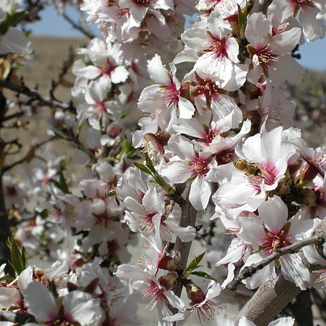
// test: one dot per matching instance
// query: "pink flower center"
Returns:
(273, 241)
(11, 191)
(265, 57)
(107, 68)
(258, 174)
(147, 225)
(171, 95)
(113, 247)
(100, 107)
(199, 166)
(210, 134)
(206, 311)
(208, 89)
(218, 48)
(302, 4)
(144, 3)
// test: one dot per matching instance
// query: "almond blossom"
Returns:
(266, 235)
(188, 164)
(269, 53)
(76, 306)
(263, 163)
(209, 45)
(309, 10)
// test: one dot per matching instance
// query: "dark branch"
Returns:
(252, 269)
(79, 27)
(23, 89)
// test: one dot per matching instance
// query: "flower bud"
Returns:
(152, 145)
(167, 281)
(308, 173)
(195, 294)
(169, 263)
(294, 167)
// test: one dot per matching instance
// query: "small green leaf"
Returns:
(61, 184)
(195, 262)
(80, 127)
(11, 19)
(242, 20)
(149, 169)
(150, 165)
(18, 257)
(203, 275)
(142, 167)
(7, 278)
(53, 289)
(128, 149)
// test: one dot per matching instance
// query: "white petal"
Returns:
(40, 302)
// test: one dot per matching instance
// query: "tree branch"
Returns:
(248, 271)
(22, 89)
(268, 301)
(80, 28)
(188, 217)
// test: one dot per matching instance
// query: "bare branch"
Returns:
(23, 89)
(188, 217)
(79, 27)
(27, 158)
(63, 71)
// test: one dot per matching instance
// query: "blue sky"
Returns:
(51, 24)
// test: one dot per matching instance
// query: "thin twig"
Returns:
(78, 27)
(27, 157)
(23, 89)
(248, 271)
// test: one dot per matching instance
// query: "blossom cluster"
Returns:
(218, 147)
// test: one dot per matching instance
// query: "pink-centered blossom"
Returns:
(266, 156)
(269, 53)
(309, 12)
(272, 230)
(186, 164)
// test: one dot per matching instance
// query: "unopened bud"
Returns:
(308, 173)
(195, 294)
(294, 167)
(167, 281)
(152, 145)
(169, 263)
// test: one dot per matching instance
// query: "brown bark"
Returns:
(268, 301)
(188, 217)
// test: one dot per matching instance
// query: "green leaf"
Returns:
(242, 20)
(61, 184)
(53, 289)
(11, 19)
(150, 165)
(7, 278)
(149, 169)
(203, 275)
(128, 149)
(80, 127)
(18, 257)
(195, 262)
(142, 167)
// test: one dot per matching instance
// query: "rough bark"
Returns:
(188, 217)
(268, 301)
